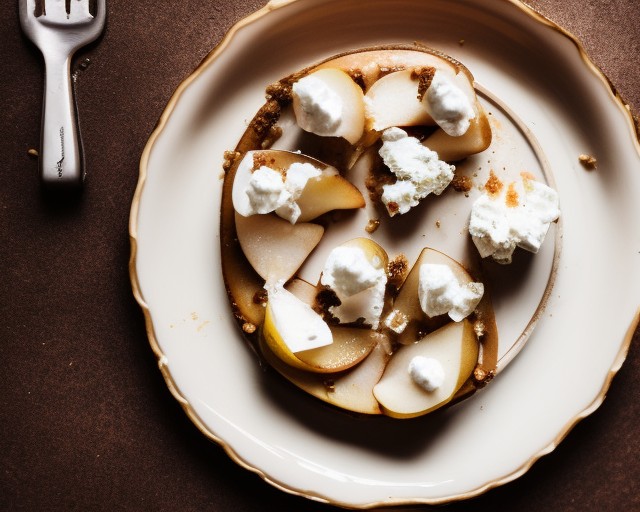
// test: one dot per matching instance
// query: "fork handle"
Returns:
(61, 164)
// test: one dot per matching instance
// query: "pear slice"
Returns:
(274, 247)
(350, 95)
(454, 346)
(476, 139)
(291, 325)
(393, 101)
(407, 302)
(329, 191)
(349, 347)
(351, 390)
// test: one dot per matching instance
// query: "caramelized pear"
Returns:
(455, 349)
(274, 247)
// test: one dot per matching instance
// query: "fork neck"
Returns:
(60, 160)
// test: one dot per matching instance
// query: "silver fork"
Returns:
(58, 34)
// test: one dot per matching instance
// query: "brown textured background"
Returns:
(86, 421)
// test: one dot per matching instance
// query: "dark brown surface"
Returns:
(87, 421)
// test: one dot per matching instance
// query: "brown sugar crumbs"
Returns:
(424, 75)
(260, 159)
(511, 199)
(461, 183)
(493, 186)
(588, 161)
(229, 159)
(393, 208)
(397, 268)
(372, 225)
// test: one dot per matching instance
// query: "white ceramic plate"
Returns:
(581, 340)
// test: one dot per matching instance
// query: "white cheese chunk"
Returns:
(426, 372)
(321, 107)
(418, 170)
(440, 293)
(516, 216)
(359, 285)
(449, 106)
(268, 191)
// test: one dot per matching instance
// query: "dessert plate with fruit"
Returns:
(357, 256)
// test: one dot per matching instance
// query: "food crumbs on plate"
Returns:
(228, 159)
(194, 316)
(33, 152)
(461, 183)
(249, 328)
(438, 224)
(588, 162)
(493, 186)
(372, 225)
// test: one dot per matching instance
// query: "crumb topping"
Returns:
(279, 91)
(229, 159)
(424, 75)
(588, 162)
(493, 186)
(397, 269)
(511, 199)
(461, 183)
(266, 117)
(372, 225)
(393, 207)
(260, 159)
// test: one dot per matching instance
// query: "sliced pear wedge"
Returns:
(407, 302)
(476, 139)
(454, 346)
(291, 325)
(291, 329)
(393, 101)
(329, 191)
(274, 247)
(348, 96)
(351, 390)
